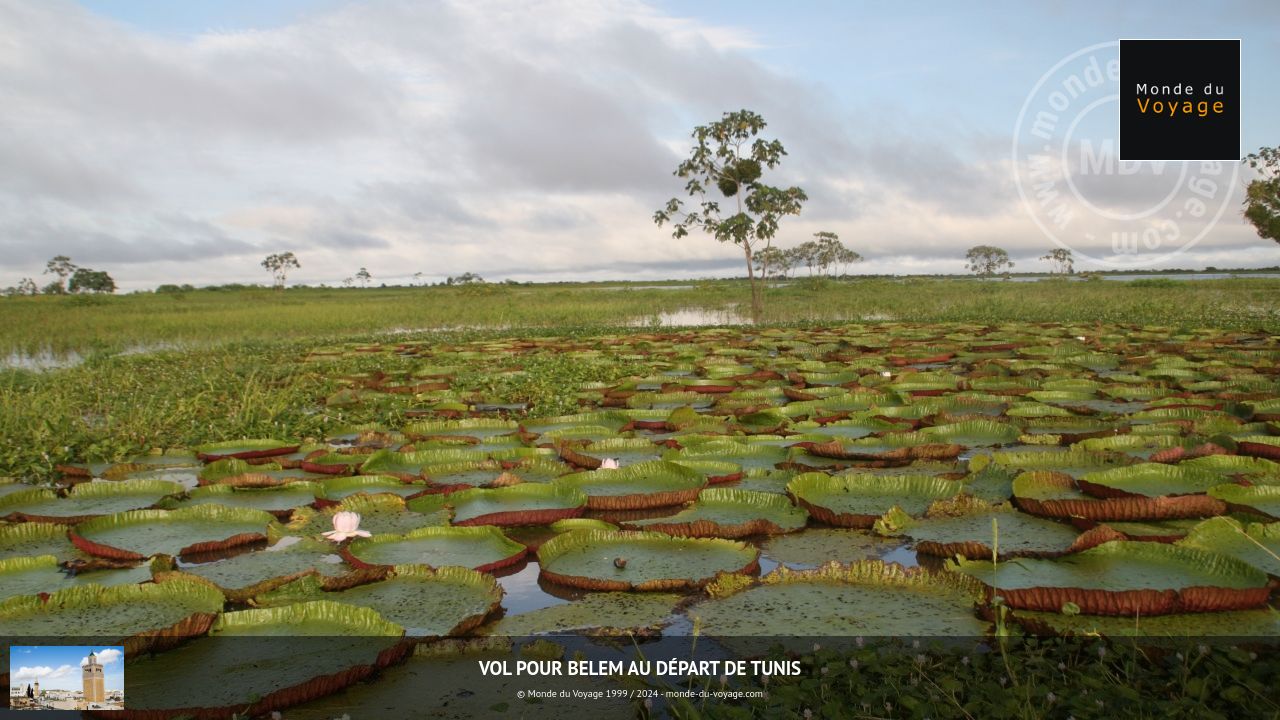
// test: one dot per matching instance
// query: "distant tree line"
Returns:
(69, 278)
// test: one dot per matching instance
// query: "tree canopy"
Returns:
(1262, 196)
(987, 260)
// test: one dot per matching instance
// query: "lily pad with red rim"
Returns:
(138, 534)
(425, 601)
(483, 549)
(244, 449)
(857, 500)
(522, 504)
(648, 561)
(636, 487)
(1125, 578)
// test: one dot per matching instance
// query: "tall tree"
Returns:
(1060, 260)
(364, 277)
(987, 260)
(729, 156)
(62, 267)
(279, 265)
(1262, 196)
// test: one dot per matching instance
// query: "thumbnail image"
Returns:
(66, 677)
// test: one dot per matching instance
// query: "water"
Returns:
(46, 359)
(692, 317)
(1163, 276)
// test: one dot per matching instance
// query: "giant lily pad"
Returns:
(482, 548)
(425, 601)
(87, 500)
(617, 560)
(1148, 480)
(279, 500)
(1056, 495)
(729, 513)
(523, 504)
(147, 615)
(31, 538)
(605, 614)
(42, 574)
(244, 575)
(866, 598)
(972, 529)
(331, 646)
(974, 433)
(138, 534)
(819, 546)
(636, 487)
(1125, 578)
(244, 449)
(1252, 624)
(857, 500)
(1255, 543)
(340, 487)
(379, 514)
(1263, 499)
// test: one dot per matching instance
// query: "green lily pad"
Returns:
(1255, 543)
(1264, 499)
(112, 612)
(605, 613)
(974, 433)
(244, 449)
(1125, 578)
(1149, 480)
(729, 513)
(482, 548)
(380, 514)
(332, 645)
(523, 504)
(1252, 624)
(273, 499)
(636, 487)
(31, 575)
(88, 499)
(138, 534)
(868, 598)
(857, 500)
(31, 538)
(338, 488)
(425, 601)
(603, 560)
(819, 546)
(244, 575)
(974, 530)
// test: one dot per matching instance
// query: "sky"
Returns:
(182, 142)
(58, 667)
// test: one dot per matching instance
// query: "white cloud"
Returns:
(42, 673)
(105, 656)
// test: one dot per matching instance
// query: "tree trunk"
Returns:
(757, 302)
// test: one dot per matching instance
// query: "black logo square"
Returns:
(1180, 100)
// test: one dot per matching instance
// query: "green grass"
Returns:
(59, 325)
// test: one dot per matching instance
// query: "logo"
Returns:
(1066, 163)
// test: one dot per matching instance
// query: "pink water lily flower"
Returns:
(346, 525)
(609, 464)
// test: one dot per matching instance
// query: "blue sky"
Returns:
(183, 141)
(59, 666)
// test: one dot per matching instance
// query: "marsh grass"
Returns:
(57, 325)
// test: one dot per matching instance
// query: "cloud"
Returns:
(42, 673)
(105, 656)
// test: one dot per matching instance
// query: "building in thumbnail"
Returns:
(94, 691)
